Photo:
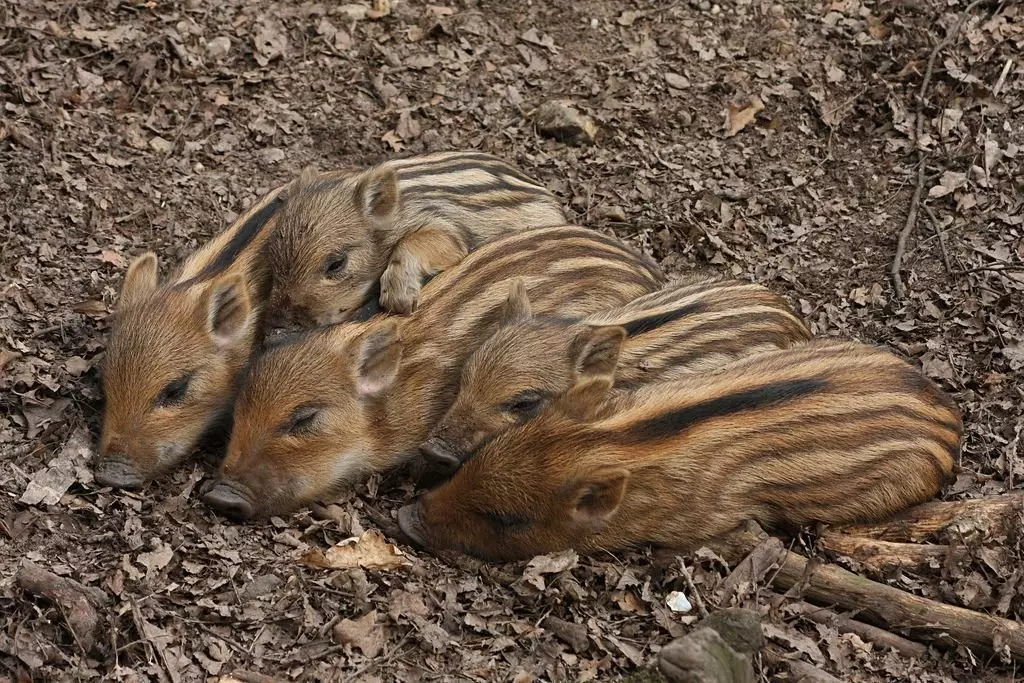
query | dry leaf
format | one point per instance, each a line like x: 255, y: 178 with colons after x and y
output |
x: 738, y: 118
x: 48, y: 485
x: 950, y: 181
x: 363, y: 633
x: 555, y: 563
x: 677, y: 81
x: 76, y: 366
x: 8, y: 356
x: 369, y: 551
x: 93, y: 308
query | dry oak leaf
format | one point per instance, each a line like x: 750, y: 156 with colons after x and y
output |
x: 364, y: 633
x: 369, y: 551
x: 738, y: 118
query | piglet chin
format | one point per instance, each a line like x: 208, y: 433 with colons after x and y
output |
x: 119, y: 473
x: 410, y: 520
x: 229, y: 501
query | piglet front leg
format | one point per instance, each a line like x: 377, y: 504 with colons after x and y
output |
x: 417, y: 256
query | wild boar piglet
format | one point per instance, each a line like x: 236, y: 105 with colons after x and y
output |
x: 345, y: 239
x: 177, y: 349
x: 324, y: 410
x: 822, y: 432
x: 696, y: 324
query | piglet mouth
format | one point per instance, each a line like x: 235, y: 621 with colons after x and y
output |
x: 230, y: 500
x: 410, y: 520
x: 118, y: 472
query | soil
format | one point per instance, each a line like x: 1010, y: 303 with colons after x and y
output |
x: 769, y: 140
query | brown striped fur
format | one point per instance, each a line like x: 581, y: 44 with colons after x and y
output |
x: 176, y: 349
x: 697, y: 324
x: 339, y: 403
x: 344, y: 236
x: 826, y: 431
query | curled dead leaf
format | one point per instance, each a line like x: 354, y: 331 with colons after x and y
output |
x: 369, y: 551
x: 737, y: 118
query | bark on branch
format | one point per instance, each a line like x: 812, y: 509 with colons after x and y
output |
x: 961, y: 520
x: 885, y: 556
x: 891, y: 608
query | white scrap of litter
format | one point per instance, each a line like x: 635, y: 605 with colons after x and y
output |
x: 677, y: 602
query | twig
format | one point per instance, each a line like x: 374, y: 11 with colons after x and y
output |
x: 938, y: 233
x: 908, y: 228
x: 698, y: 601
x: 1002, y: 78
x: 922, y: 157
x: 994, y: 267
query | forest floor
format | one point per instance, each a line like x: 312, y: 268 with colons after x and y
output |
x: 772, y: 140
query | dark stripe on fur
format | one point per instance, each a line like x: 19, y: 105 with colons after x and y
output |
x: 672, y: 423
x: 652, y: 322
x: 239, y: 241
x: 496, y: 168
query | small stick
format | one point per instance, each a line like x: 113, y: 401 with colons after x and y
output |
x: 867, y: 632
x: 908, y: 227
x: 1002, y: 78
x: 698, y: 602
x: 938, y: 233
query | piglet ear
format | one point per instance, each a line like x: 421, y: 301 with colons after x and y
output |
x: 516, y: 308
x: 595, y: 350
x: 379, y: 355
x: 140, y: 281
x: 598, y: 496
x: 586, y: 398
x: 229, y: 311
x: 377, y: 193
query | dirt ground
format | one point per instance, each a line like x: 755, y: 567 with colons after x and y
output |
x: 129, y: 125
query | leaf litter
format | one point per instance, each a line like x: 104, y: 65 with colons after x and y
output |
x: 133, y: 126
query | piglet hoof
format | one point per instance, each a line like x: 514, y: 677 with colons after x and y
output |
x: 228, y: 501
x: 398, y: 292
x: 118, y: 473
x: 410, y: 520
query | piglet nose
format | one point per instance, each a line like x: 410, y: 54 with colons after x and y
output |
x: 410, y: 520
x: 227, y: 500
x: 440, y: 455
x: 118, y: 472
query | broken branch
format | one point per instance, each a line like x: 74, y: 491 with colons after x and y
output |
x: 984, y: 518
x: 74, y: 599
x: 918, y: 617
x: 885, y: 556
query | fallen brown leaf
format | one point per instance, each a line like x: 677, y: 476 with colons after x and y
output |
x: 369, y: 551
x: 363, y: 633
x: 738, y: 118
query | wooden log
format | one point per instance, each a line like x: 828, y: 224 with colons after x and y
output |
x: 886, y: 556
x: 877, y: 603
x: 989, y: 517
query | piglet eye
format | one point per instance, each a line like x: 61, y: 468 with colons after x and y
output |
x: 334, y: 266
x: 174, y: 393
x: 506, y: 521
x: 302, y: 420
x: 526, y: 405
